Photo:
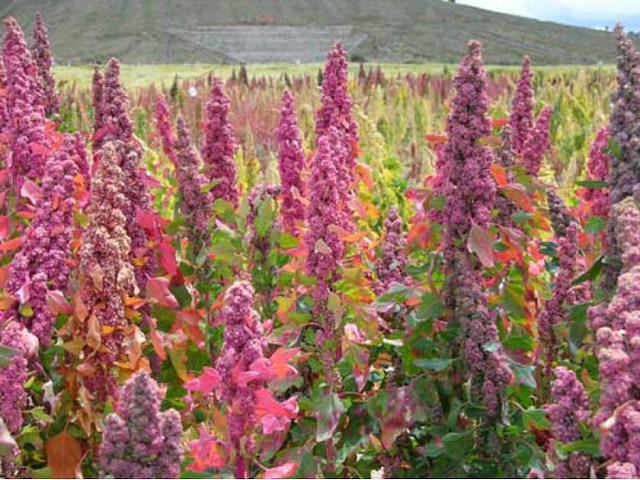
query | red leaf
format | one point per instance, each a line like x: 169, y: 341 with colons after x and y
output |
x: 4, y: 227
x: 267, y: 405
x: 436, y: 138
x: 31, y: 191
x: 205, y: 453
x: 39, y: 149
x: 168, y: 257
x: 481, y: 243
x: 206, y: 382
x: 11, y: 244
x: 4, y: 176
x: 158, y: 289
x: 499, y: 122
x: 285, y: 470
x: 57, y: 303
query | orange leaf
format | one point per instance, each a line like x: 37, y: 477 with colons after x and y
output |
x: 158, y: 289
x: 499, y: 122
x: 499, y: 174
x: 364, y: 172
x: 63, y: 455
x: 354, y: 237
x: 518, y: 195
x: 12, y: 244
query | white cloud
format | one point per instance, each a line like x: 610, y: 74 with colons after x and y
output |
x: 578, y: 12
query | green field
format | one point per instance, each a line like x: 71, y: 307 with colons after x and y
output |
x: 144, y: 75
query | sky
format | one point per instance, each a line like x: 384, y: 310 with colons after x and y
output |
x: 584, y: 13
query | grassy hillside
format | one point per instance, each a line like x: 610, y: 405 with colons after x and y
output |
x: 231, y: 31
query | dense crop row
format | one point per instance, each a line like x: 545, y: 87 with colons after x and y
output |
x: 398, y: 277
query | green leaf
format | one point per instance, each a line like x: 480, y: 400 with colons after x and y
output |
x: 613, y: 149
x: 593, y: 184
x: 522, y: 373
x: 435, y: 364
x: 458, y: 444
x: 592, y: 273
x: 5, y: 355
x: 590, y: 447
x: 327, y: 410
x: 595, y: 225
x: 40, y: 415
x: 536, y: 417
x: 430, y: 307
x: 264, y: 218
x: 578, y: 330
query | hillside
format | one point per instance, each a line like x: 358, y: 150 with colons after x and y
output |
x: 256, y: 31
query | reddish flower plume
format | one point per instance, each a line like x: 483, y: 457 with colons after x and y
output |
x: 463, y: 166
x: 24, y: 102
x: 598, y: 170
x: 219, y: 145
x: 521, y: 116
x: 164, y: 127
x: 194, y: 203
x: 290, y: 164
x: 335, y: 111
x: 139, y: 440
x: 324, y: 245
x: 41, y: 51
x: 392, y: 259
x: 107, y: 271
x: 538, y: 143
x: 42, y: 263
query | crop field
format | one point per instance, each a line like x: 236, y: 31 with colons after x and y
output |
x: 329, y: 270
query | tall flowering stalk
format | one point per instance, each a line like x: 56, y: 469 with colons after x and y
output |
x: 24, y: 104
x: 97, y: 91
x: 290, y: 164
x: 108, y: 275
x: 13, y: 398
x: 41, y: 51
x: 521, y: 116
x: 623, y: 132
x: 569, y: 409
x: 464, y: 179
x: 139, y: 440
x: 617, y: 332
x: 219, y: 145
x: 561, y: 297
x: 324, y: 245
x: 392, y: 260
x: 4, y: 108
x: 117, y: 125
x: 195, y: 204
x: 537, y: 144
x: 335, y: 111
x: 240, y: 377
x: 164, y: 127
x: 42, y: 263
x: 598, y: 170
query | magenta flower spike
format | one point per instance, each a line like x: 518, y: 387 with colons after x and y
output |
x: 291, y: 164
x: 220, y: 146
x: 324, y: 245
x: 598, y: 169
x: 521, y: 116
x: 139, y: 440
x: 41, y: 264
x: 164, y: 127
x: 106, y: 269
x: 41, y: 51
x: 538, y: 143
x: 569, y: 409
x: 25, y: 110
x: 194, y: 203
x: 392, y: 259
